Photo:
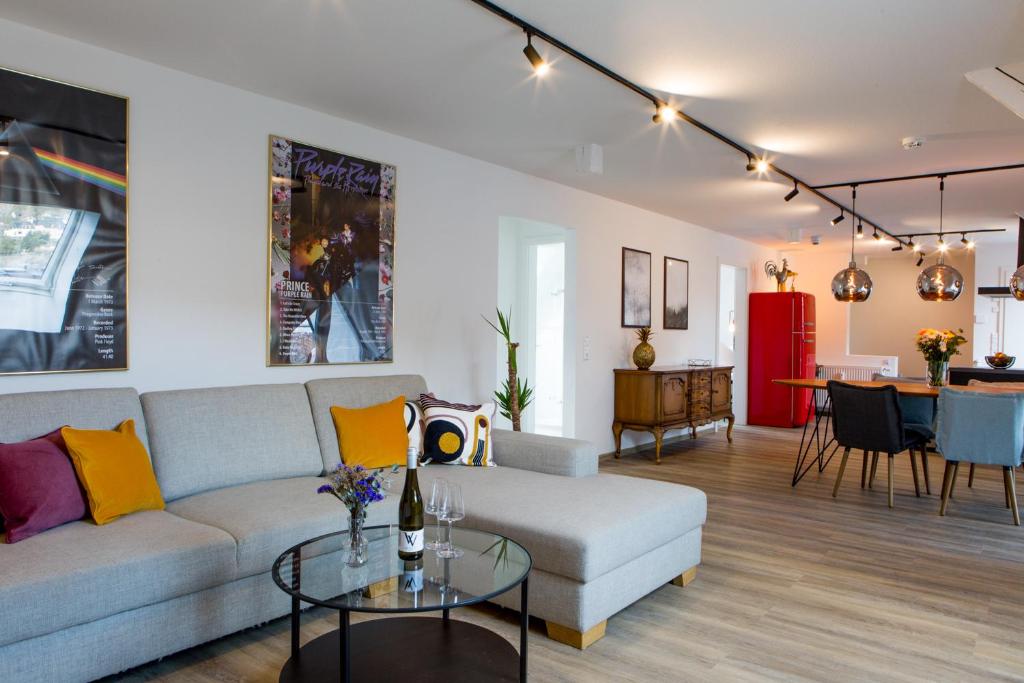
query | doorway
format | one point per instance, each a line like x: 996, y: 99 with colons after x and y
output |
x: 536, y: 282
x: 731, y: 347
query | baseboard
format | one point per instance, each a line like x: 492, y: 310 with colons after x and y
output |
x: 649, y: 445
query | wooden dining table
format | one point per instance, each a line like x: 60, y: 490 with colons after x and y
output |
x: 818, y: 444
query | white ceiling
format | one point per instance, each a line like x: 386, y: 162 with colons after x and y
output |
x: 827, y: 89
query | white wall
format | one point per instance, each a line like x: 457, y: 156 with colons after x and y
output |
x: 998, y: 323
x: 815, y: 269
x: 197, y: 221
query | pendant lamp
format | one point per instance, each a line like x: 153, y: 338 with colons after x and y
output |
x: 940, y: 282
x: 852, y: 284
x: 1017, y: 284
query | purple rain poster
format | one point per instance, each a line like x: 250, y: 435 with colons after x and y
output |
x: 332, y: 247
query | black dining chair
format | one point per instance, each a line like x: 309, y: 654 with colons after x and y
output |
x: 870, y: 419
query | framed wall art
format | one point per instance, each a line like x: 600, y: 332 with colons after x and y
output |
x: 636, y: 288
x: 677, y: 294
x: 331, y: 260
x: 63, y: 227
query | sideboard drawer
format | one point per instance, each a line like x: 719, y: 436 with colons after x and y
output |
x: 674, y: 389
x: 700, y: 399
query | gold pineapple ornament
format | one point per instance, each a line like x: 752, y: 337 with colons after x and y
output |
x: 643, y: 354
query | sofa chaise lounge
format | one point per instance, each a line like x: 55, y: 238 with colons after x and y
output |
x: 238, y: 467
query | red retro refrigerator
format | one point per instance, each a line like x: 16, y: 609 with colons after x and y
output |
x: 781, y: 346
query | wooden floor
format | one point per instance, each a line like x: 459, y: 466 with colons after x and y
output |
x: 794, y: 585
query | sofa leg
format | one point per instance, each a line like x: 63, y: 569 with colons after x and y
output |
x: 685, y: 578
x: 580, y: 641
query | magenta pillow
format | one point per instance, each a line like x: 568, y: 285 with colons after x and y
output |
x: 38, y: 487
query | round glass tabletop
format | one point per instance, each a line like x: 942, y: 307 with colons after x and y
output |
x: 315, y: 571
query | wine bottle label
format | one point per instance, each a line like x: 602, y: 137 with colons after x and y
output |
x: 410, y: 541
x: 412, y: 580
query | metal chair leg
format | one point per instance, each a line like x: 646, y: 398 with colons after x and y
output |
x: 947, y: 479
x: 913, y: 468
x: 842, y: 469
x: 874, y: 467
x: 1011, y: 491
x: 970, y: 477
x: 891, y: 501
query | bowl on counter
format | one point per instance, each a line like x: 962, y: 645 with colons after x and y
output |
x: 1000, y: 362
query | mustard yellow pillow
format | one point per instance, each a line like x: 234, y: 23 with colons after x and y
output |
x: 374, y: 436
x: 114, y: 470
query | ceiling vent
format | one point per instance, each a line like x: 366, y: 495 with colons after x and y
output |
x: 1005, y: 84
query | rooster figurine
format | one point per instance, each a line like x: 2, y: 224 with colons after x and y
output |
x: 772, y: 270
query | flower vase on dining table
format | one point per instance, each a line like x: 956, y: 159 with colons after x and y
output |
x: 938, y: 373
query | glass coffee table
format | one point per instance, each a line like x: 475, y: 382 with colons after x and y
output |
x: 406, y: 648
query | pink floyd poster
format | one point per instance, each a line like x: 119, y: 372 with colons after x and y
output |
x: 63, y: 227
x: 332, y: 251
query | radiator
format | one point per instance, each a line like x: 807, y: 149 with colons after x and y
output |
x: 847, y: 372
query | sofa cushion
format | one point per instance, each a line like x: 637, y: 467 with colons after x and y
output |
x: 38, y: 487
x: 203, y: 439
x: 266, y: 518
x: 26, y: 416
x: 81, y: 572
x: 375, y: 436
x: 353, y: 392
x: 580, y: 528
x: 114, y: 469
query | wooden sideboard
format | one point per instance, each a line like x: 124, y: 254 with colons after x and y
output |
x: 665, y: 398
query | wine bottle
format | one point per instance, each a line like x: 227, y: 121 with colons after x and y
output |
x: 410, y: 513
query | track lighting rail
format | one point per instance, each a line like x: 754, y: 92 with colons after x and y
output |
x: 658, y: 103
x: 920, y: 176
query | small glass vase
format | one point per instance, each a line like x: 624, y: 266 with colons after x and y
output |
x: 938, y: 373
x: 358, y: 546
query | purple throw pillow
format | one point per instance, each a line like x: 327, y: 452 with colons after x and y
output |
x: 38, y: 487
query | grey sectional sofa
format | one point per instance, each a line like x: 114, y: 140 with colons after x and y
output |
x: 238, y: 467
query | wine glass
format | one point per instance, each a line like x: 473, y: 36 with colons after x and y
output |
x: 438, y: 490
x: 452, y: 510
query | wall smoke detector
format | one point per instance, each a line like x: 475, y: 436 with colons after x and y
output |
x: 910, y: 143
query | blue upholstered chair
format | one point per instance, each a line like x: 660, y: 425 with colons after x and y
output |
x: 983, y: 428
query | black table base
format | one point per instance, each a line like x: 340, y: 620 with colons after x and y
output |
x: 426, y: 649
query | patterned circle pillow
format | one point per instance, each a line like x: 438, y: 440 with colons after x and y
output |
x: 414, y: 425
x: 456, y: 433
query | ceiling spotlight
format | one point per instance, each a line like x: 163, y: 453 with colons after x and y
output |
x: 898, y: 247
x: 665, y: 114
x: 912, y: 245
x: 762, y: 165
x: 838, y: 219
x: 876, y: 234
x: 968, y: 243
x: 792, y: 193
x: 751, y: 166
x: 860, y: 230
x: 540, y: 67
x: 943, y: 247
x: 920, y: 259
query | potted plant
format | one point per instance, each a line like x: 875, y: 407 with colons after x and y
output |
x: 937, y: 347
x: 515, y: 394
